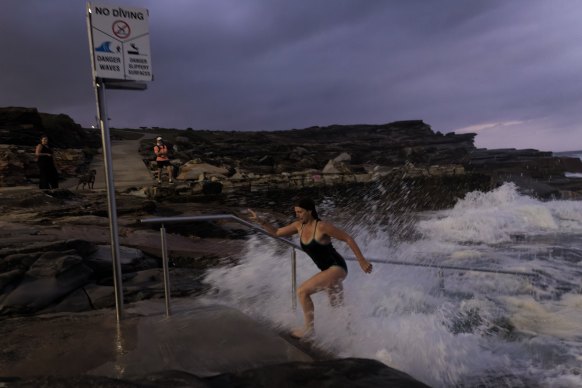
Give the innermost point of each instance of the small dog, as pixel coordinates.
(87, 179)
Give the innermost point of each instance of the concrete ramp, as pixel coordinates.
(202, 340)
(128, 167)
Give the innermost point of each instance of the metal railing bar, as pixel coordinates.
(451, 267)
(160, 220)
(165, 256)
(167, 220)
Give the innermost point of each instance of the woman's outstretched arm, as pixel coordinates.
(335, 232)
(285, 231)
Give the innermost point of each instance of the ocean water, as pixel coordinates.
(448, 328)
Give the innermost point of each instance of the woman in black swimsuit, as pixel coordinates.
(315, 236)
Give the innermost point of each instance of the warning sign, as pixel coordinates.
(120, 42)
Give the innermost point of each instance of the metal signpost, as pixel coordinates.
(120, 58)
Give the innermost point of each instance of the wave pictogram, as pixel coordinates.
(105, 47)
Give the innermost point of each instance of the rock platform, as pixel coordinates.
(196, 346)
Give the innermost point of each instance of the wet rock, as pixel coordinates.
(210, 188)
(192, 171)
(75, 302)
(348, 372)
(21, 261)
(82, 247)
(34, 294)
(73, 382)
(529, 186)
(101, 260)
(100, 296)
(344, 373)
(10, 277)
(52, 264)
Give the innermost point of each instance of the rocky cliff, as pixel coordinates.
(24, 126)
(358, 152)
(20, 132)
(402, 149)
(389, 144)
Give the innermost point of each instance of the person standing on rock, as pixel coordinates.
(162, 152)
(48, 174)
(315, 237)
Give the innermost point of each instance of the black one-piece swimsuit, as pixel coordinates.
(323, 255)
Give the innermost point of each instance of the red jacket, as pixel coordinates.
(161, 152)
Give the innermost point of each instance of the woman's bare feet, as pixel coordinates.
(302, 333)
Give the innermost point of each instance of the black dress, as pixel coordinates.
(49, 178)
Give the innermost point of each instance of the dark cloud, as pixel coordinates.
(278, 64)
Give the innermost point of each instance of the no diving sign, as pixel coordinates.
(120, 42)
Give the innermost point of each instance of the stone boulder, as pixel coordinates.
(50, 278)
(344, 157)
(131, 259)
(74, 276)
(70, 161)
(192, 171)
(17, 165)
(339, 165)
(333, 167)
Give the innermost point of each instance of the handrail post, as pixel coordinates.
(165, 266)
(441, 280)
(294, 279)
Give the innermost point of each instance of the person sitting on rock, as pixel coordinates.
(162, 152)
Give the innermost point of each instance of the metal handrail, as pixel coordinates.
(171, 220)
(454, 267)
(217, 217)
(165, 220)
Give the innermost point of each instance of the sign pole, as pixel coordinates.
(120, 59)
(112, 207)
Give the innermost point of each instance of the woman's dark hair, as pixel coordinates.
(307, 204)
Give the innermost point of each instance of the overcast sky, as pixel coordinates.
(510, 71)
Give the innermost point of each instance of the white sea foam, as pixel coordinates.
(459, 327)
(496, 216)
(390, 315)
(561, 319)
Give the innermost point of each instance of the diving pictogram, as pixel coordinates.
(121, 29)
